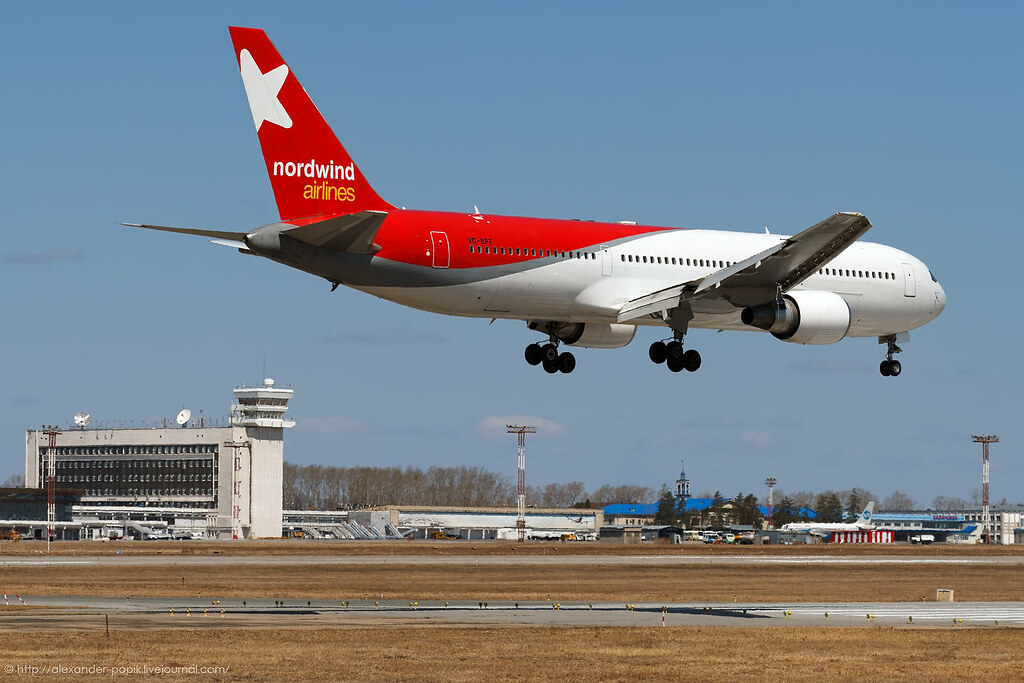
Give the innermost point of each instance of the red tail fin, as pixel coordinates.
(310, 171)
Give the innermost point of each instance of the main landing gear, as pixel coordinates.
(672, 354)
(547, 355)
(890, 367)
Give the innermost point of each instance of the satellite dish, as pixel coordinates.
(82, 419)
(183, 417)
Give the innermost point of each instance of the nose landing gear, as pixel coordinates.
(548, 357)
(890, 367)
(672, 355)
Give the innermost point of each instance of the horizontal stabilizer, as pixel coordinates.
(231, 243)
(217, 234)
(353, 233)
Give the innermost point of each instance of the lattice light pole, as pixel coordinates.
(51, 475)
(770, 483)
(521, 431)
(986, 519)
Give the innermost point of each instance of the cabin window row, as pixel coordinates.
(520, 251)
(863, 274)
(673, 261)
(663, 260)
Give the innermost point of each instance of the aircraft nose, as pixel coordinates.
(940, 298)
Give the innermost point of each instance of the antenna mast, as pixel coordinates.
(51, 473)
(521, 431)
(986, 520)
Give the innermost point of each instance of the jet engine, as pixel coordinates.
(587, 335)
(802, 317)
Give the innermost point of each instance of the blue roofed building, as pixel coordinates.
(630, 514)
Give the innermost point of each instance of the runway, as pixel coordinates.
(120, 560)
(92, 613)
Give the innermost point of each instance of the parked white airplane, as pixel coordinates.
(580, 283)
(862, 523)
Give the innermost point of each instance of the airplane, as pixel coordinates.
(824, 529)
(578, 283)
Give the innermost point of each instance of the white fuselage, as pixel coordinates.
(888, 290)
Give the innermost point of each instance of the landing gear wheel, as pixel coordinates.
(658, 352)
(895, 368)
(550, 366)
(534, 355)
(691, 360)
(674, 364)
(566, 362)
(885, 367)
(549, 352)
(674, 351)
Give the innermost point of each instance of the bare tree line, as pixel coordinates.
(15, 481)
(326, 488)
(317, 487)
(573, 494)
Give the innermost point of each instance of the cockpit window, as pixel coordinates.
(932, 276)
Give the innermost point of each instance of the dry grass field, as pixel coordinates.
(563, 654)
(630, 583)
(403, 652)
(512, 581)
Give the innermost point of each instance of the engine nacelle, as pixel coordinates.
(587, 335)
(802, 317)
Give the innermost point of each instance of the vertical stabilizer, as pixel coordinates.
(310, 171)
(865, 519)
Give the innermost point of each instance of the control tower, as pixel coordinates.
(258, 467)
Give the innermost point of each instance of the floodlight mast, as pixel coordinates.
(986, 519)
(521, 431)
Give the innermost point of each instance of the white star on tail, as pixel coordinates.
(262, 89)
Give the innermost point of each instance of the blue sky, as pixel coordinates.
(735, 117)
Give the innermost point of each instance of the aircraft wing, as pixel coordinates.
(757, 279)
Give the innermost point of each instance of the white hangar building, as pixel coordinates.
(495, 523)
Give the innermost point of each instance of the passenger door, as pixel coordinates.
(440, 253)
(909, 284)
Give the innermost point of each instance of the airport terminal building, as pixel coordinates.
(218, 481)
